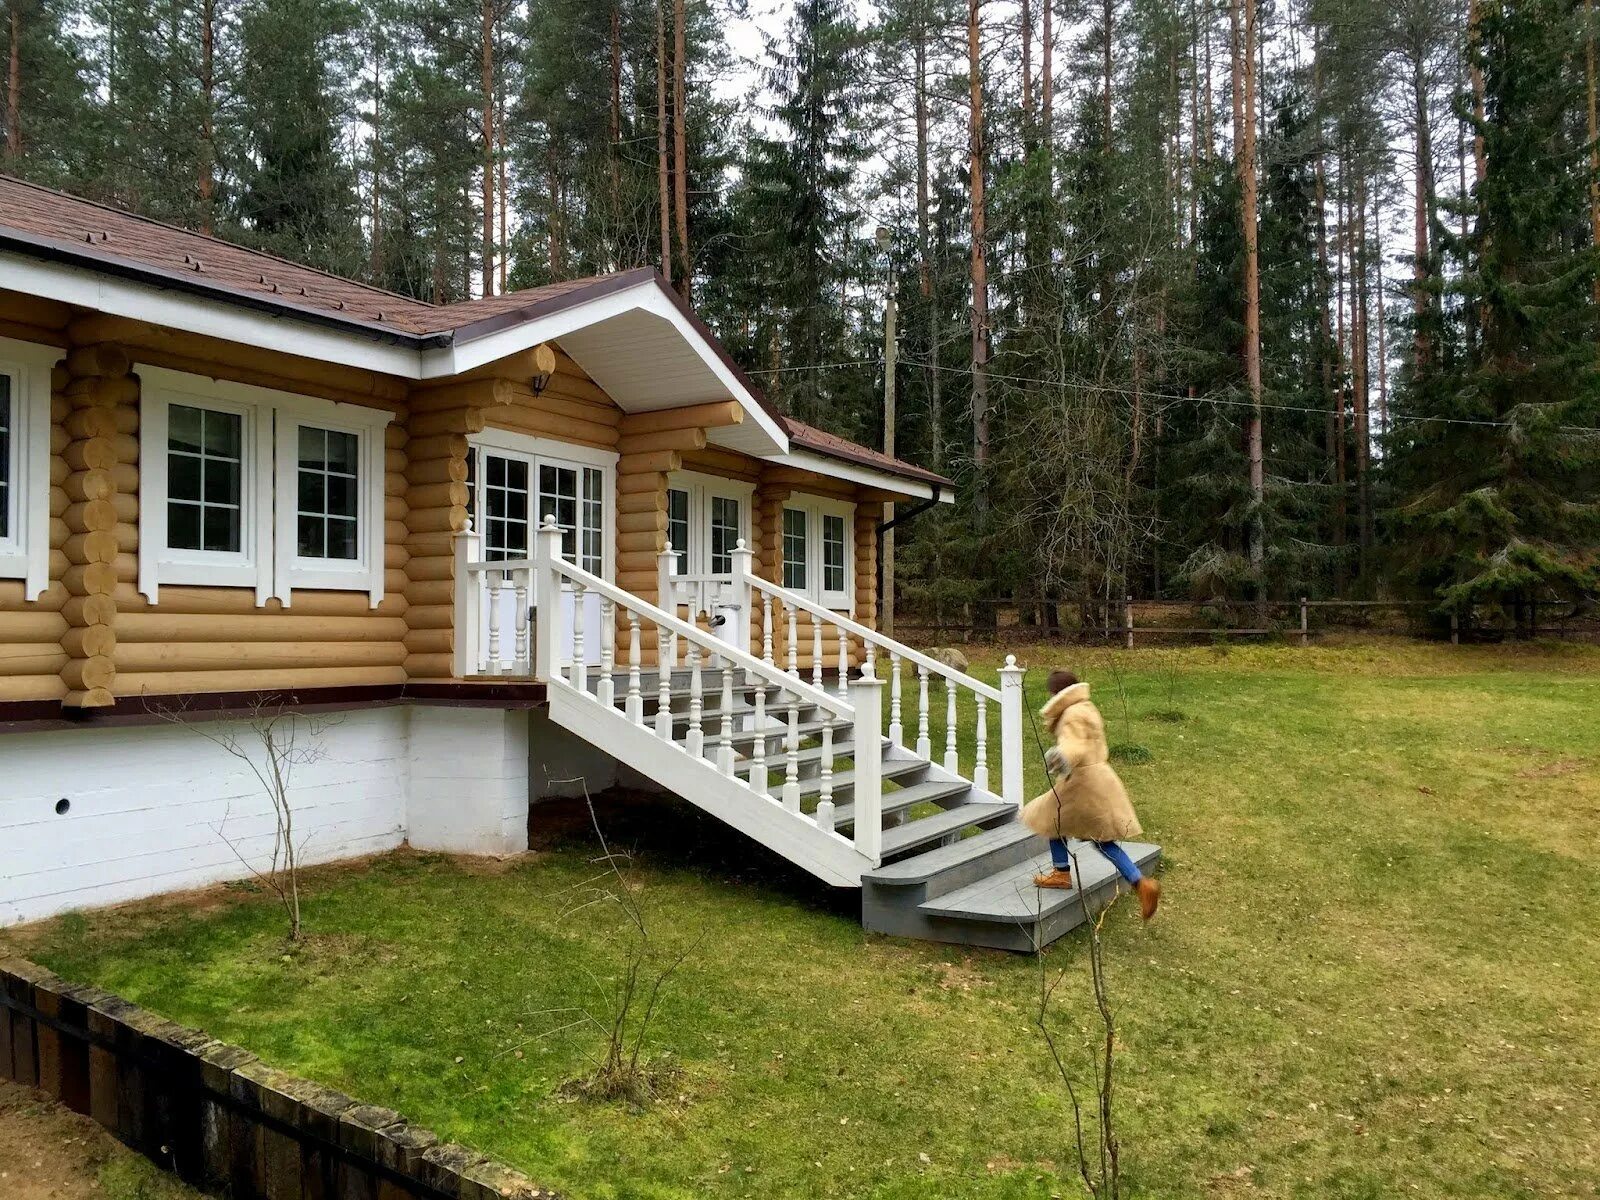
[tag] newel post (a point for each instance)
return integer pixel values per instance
(866, 698)
(1011, 701)
(468, 550)
(666, 568)
(546, 601)
(743, 594)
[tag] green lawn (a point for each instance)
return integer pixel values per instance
(1376, 971)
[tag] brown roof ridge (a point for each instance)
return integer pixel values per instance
(130, 214)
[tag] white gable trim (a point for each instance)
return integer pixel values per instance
(833, 468)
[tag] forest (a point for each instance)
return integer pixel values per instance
(1248, 300)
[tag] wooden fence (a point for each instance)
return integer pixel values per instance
(215, 1115)
(1129, 622)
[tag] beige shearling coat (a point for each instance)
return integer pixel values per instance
(1090, 803)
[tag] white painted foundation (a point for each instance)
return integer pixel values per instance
(159, 808)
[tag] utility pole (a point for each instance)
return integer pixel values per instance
(885, 239)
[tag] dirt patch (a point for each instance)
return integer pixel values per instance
(1562, 766)
(49, 1153)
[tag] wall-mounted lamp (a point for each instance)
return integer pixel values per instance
(544, 366)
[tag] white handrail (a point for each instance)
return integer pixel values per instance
(868, 634)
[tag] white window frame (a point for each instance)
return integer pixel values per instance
(267, 560)
(25, 550)
(815, 507)
(549, 451)
(702, 489)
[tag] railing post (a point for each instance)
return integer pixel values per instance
(1127, 619)
(742, 557)
(546, 601)
(1011, 701)
(1305, 627)
(468, 549)
(866, 697)
(666, 568)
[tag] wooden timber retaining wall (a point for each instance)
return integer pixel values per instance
(214, 1114)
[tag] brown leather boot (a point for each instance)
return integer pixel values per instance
(1149, 892)
(1057, 877)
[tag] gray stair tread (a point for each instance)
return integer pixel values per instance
(846, 780)
(804, 729)
(922, 867)
(1009, 894)
(941, 824)
(926, 792)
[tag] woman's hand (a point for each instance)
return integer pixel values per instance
(1055, 762)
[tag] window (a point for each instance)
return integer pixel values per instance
(706, 520)
(515, 481)
(817, 555)
(257, 488)
(25, 463)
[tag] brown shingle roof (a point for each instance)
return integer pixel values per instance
(45, 219)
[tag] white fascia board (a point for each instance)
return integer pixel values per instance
(197, 314)
(644, 296)
(835, 468)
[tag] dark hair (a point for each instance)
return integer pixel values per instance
(1060, 680)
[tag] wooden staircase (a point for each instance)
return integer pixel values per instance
(957, 864)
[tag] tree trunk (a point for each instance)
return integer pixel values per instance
(925, 277)
(664, 193)
(14, 87)
(375, 255)
(1421, 263)
(1047, 83)
(1475, 75)
(207, 183)
(1106, 31)
(1027, 68)
(1594, 131)
(501, 158)
(1341, 519)
(1324, 278)
(1383, 333)
(980, 264)
(680, 142)
(487, 64)
(1244, 72)
(616, 119)
(1360, 271)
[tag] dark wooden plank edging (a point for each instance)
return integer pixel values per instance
(218, 1117)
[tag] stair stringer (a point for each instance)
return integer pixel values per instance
(829, 856)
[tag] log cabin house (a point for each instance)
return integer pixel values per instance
(229, 480)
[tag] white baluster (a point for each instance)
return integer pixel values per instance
(816, 652)
(924, 744)
(825, 794)
(695, 740)
(980, 763)
(794, 639)
(725, 737)
(897, 733)
(766, 628)
(952, 757)
(844, 663)
(869, 668)
(605, 689)
(579, 670)
(496, 581)
(663, 687)
(824, 815)
(521, 641)
(791, 755)
(635, 702)
(758, 748)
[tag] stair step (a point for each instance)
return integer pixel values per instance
(929, 791)
(945, 868)
(804, 729)
(902, 838)
(845, 781)
(1009, 897)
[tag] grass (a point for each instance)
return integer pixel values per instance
(1374, 973)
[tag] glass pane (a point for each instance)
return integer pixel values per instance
(313, 450)
(724, 533)
(515, 505)
(183, 428)
(221, 479)
(794, 549)
(495, 475)
(341, 538)
(223, 433)
(308, 542)
(341, 495)
(516, 474)
(183, 476)
(678, 520)
(183, 526)
(221, 528)
(833, 554)
(342, 452)
(311, 491)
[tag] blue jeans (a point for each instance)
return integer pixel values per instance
(1118, 857)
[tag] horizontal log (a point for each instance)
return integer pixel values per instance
(98, 547)
(92, 454)
(660, 461)
(85, 674)
(429, 641)
(34, 625)
(557, 428)
(395, 459)
(31, 658)
(185, 598)
(430, 566)
(436, 470)
(149, 657)
(642, 481)
(395, 557)
(100, 422)
(430, 616)
(457, 393)
(90, 579)
(58, 469)
(91, 516)
(172, 683)
(521, 365)
(212, 357)
(601, 411)
(436, 544)
(443, 445)
(424, 425)
(60, 439)
(637, 522)
(395, 436)
(636, 502)
(395, 483)
(427, 592)
(34, 310)
(666, 439)
(90, 641)
(430, 666)
(58, 502)
(716, 414)
(104, 392)
(395, 508)
(292, 626)
(127, 567)
(46, 686)
(104, 358)
(93, 698)
(646, 543)
(89, 610)
(438, 495)
(444, 519)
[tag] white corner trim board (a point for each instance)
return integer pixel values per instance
(91, 817)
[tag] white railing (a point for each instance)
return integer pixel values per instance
(711, 741)
(779, 610)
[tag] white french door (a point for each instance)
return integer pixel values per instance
(515, 492)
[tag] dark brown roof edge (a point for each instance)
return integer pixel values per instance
(19, 715)
(54, 250)
(873, 462)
